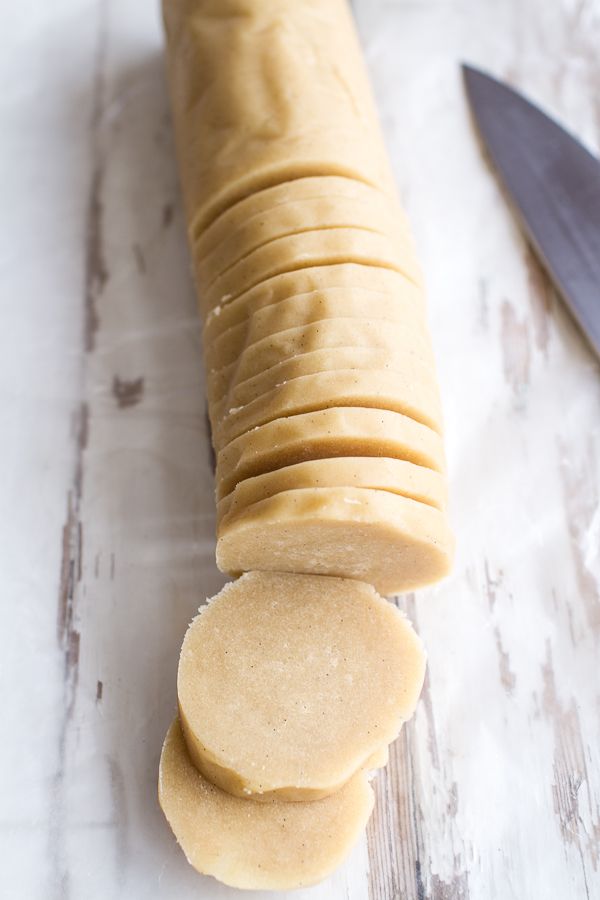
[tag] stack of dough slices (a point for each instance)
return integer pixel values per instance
(326, 425)
(290, 688)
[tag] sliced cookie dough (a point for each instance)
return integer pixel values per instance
(288, 684)
(305, 309)
(334, 432)
(307, 250)
(270, 846)
(391, 542)
(407, 339)
(274, 200)
(297, 217)
(326, 360)
(379, 473)
(340, 276)
(380, 389)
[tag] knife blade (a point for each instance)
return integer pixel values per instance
(554, 183)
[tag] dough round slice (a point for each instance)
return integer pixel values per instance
(326, 360)
(340, 277)
(378, 473)
(380, 389)
(405, 339)
(394, 543)
(319, 307)
(302, 251)
(345, 431)
(245, 844)
(288, 684)
(273, 200)
(296, 217)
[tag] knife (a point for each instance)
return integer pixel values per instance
(554, 183)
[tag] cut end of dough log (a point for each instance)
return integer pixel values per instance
(269, 846)
(392, 542)
(290, 684)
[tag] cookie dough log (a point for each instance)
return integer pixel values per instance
(407, 340)
(389, 541)
(309, 249)
(264, 92)
(339, 277)
(294, 215)
(381, 473)
(288, 684)
(270, 846)
(378, 389)
(305, 309)
(328, 433)
(250, 222)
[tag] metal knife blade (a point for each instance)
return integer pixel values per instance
(554, 183)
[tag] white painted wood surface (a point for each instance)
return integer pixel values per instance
(106, 508)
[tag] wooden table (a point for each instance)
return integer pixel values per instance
(106, 499)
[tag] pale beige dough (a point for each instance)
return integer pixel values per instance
(307, 250)
(381, 473)
(351, 194)
(296, 217)
(330, 359)
(270, 846)
(305, 281)
(380, 389)
(267, 92)
(346, 431)
(288, 684)
(310, 308)
(248, 119)
(304, 309)
(406, 339)
(379, 760)
(393, 543)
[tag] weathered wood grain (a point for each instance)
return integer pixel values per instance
(106, 498)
